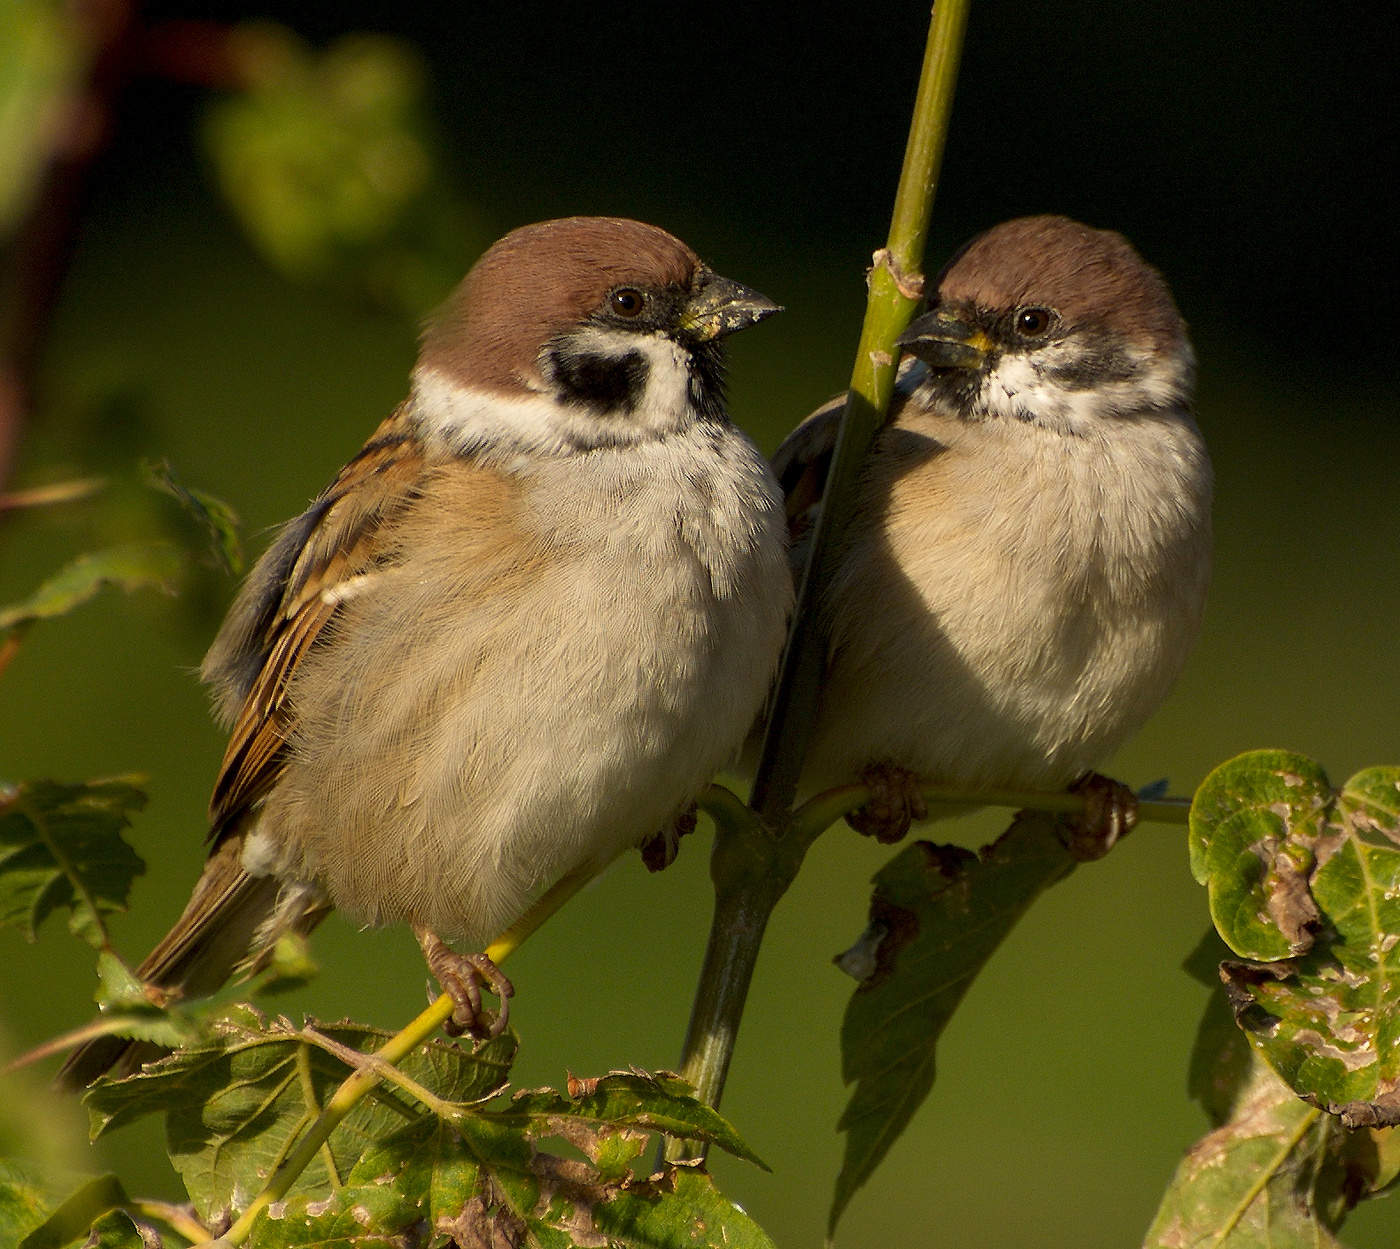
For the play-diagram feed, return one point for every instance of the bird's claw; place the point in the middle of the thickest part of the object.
(1110, 814)
(895, 802)
(659, 850)
(462, 977)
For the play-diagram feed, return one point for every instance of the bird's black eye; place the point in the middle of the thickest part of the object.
(1034, 322)
(627, 301)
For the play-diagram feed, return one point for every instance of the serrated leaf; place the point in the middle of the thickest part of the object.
(1277, 1175)
(1328, 1017)
(484, 1185)
(216, 518)
(61, 847)
(72, 1218)
(680, 1208)
(232, 1103)
(937, 915)
(643, 1101)
(135, 566)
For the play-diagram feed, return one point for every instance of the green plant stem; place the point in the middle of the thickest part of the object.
(171, 1215)
(751, 870)
(758, 852)
(889, 307)
(825, 808)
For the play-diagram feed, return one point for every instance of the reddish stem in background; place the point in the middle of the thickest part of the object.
(118, 48)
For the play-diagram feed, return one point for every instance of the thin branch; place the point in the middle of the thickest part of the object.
(757, 855)
(888, 310)
(43, 244)
(824, 809)
(180, 1218)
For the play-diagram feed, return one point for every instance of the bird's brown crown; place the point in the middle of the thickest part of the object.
(539, 281)
(1091, 277)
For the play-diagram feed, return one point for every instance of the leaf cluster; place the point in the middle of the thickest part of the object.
(1295, 1062)
(440, 1152)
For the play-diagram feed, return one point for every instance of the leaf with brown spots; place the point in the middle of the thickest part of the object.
(1275, 1175)
(439, 1149)
(1273, 1171)
(1305, 885)
(233, 1102)
(480, 1178)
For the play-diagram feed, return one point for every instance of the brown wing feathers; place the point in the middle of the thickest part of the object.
(344, 542)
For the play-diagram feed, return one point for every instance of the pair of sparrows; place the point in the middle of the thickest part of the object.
(545, 603)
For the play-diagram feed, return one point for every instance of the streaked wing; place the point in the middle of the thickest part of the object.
(291, 597)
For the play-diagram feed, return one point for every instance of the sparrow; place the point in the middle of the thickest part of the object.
(1025, 569)
(517, 634)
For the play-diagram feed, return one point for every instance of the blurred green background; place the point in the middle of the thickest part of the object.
(240, 295)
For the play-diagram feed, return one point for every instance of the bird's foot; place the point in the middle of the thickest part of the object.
(895, 803)
(462, 977)
(1110, 813)
(659, 850)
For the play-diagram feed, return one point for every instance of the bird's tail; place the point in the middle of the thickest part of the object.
(228, 929)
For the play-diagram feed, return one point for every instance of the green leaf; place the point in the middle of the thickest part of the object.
(638, 1100)
(215, 517)
(485, 1184)
(233, 1103)
(937, 915)
(434, 1146)
(114, 1230)
(1222, 1059)
(680, 1207)
(61, 846)
(135, 566)
(1255, 823)
(1313, 902)
(1277, 1175)
(320, 152)
(27, 1197)
(42, 60)
(71, 1220)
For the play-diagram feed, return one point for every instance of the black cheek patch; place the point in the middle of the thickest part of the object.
(603, 383)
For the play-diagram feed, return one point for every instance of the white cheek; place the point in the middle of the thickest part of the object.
(665, 406)
(466, 420)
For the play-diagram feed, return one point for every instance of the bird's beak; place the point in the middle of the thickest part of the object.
(941, 339)
(719, 307)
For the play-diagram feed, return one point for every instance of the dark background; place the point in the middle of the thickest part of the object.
(1245, 149)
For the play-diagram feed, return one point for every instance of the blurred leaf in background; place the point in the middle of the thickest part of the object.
(329, 163)
(41, 60)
